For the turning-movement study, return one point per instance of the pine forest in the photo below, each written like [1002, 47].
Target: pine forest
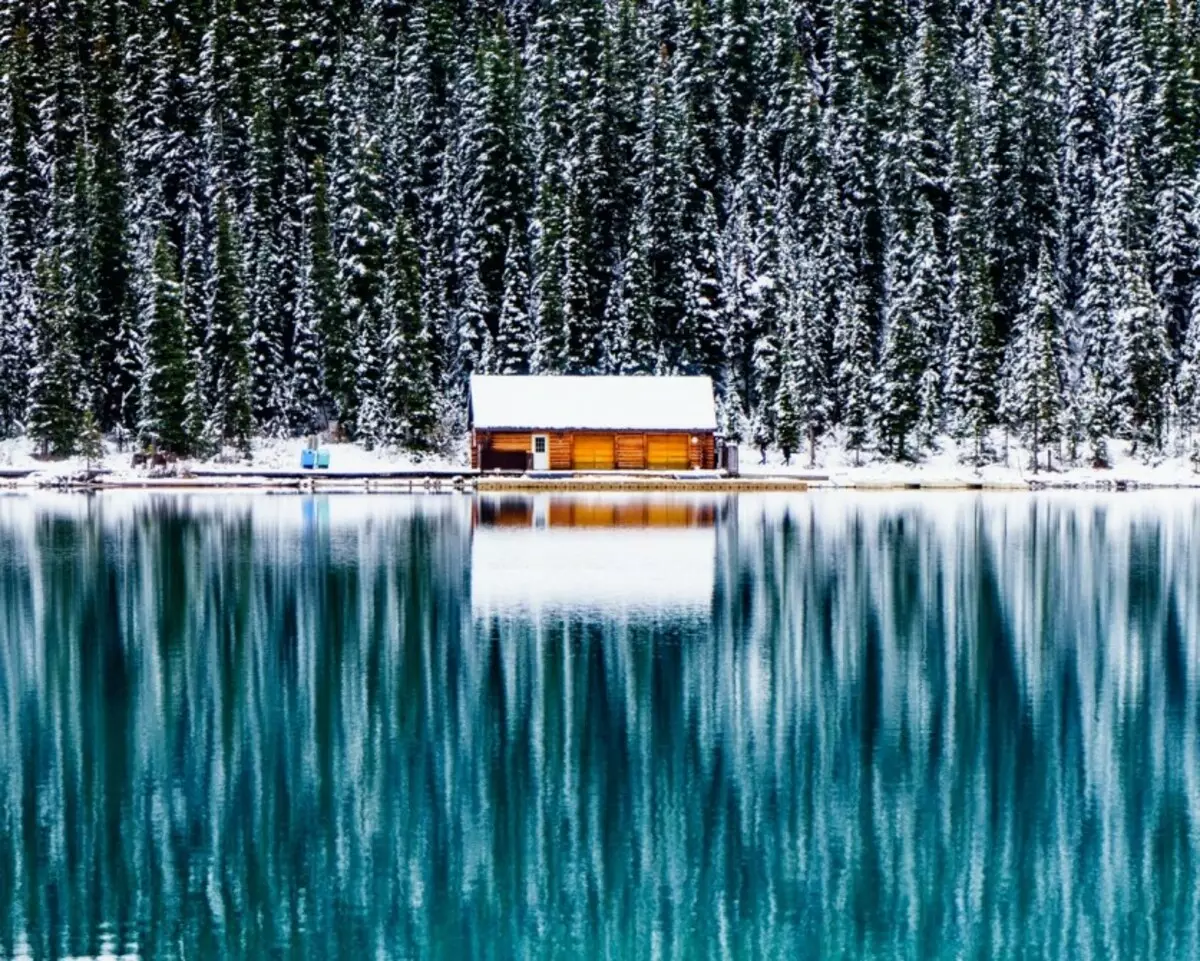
[874, 223]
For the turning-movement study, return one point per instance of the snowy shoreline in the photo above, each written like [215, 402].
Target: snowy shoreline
[274, 465]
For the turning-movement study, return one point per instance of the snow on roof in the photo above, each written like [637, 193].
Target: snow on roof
[593, 403]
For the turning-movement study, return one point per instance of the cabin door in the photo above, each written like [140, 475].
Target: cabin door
[541, 452]
[667, 451]
[593, 452]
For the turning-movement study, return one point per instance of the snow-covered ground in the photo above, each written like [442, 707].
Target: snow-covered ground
[266, 455]
[833, 461]
[947, 467]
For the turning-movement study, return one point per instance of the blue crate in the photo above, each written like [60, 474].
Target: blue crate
[308, 458]
[323, 459]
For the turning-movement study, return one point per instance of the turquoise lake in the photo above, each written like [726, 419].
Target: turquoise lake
[887, 725]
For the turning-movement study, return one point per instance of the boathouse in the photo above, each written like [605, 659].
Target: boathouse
[592, 423]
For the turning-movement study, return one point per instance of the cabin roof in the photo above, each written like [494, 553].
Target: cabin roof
[593, 403]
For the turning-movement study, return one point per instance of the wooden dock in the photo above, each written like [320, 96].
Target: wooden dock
[597, 483]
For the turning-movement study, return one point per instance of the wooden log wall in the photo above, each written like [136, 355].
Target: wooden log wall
[630, 448]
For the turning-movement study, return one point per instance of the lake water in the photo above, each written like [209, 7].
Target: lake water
[826, 726]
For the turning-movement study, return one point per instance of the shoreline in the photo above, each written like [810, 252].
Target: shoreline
[472, 482]
[274, 466]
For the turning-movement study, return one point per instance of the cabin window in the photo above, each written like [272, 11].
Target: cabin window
[539, 445]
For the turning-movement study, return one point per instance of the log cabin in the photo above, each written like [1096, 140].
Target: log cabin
[592, 423]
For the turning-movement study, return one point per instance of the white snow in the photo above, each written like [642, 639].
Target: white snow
[267, 454]
[833, 461]
[946, 468]
[593, 403]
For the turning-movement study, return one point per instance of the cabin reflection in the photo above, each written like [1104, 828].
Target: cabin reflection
[611, 555]
[555, 511]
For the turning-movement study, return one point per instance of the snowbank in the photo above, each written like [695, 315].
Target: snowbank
[946, 468]
[834, 465]
[267, 454]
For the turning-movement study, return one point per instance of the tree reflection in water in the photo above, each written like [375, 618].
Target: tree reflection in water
[838, 726]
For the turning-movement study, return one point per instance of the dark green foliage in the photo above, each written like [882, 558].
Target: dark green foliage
[407, 394]
[593, 186]
[228, 345]
[1034, 388]
[167, 373]
[91, 441]
[53, 418]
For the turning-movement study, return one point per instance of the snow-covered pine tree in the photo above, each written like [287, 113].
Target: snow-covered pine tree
[661, 179]
[786, 414]
[514, 337]
[903, 358]
[972, 354]
[75, 227]
[310, 407]
[633, 349]
[325, 316]
[166, 371]
[1100, 301]
[265, 269]
[407, 389]
[751, 295]
[17, 318]
[52, 420]
[705, 320]
[111, 254]
[1186, 393]
[1142, 359]
[228, 350]
[1174, 145]
[362, 232]
[562, 124]
[909, 379]
[809, 376]
[492, 139]
[854, 346]
[550, 354]
[1033, 392]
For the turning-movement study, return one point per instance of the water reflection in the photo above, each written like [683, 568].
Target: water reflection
[595, 557]
[837, 726]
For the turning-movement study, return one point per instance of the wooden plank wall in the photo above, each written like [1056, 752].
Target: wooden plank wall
[511, 442]
[560, 451]
[630, 449]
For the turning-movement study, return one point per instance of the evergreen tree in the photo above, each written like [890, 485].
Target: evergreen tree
[705, 319]
[1186, 393]
[973, 355]
[514, 336]
[91, 441]
[634, 348]
[1099, 304]
[1143, 359]
[908, 385]
[609, 185]
[407, 388]
[309, 401]
[1034, 382]
[228, 351]
[855, 371]
[325, 316]
[166, 374]
[787, 415]
[53, 418]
